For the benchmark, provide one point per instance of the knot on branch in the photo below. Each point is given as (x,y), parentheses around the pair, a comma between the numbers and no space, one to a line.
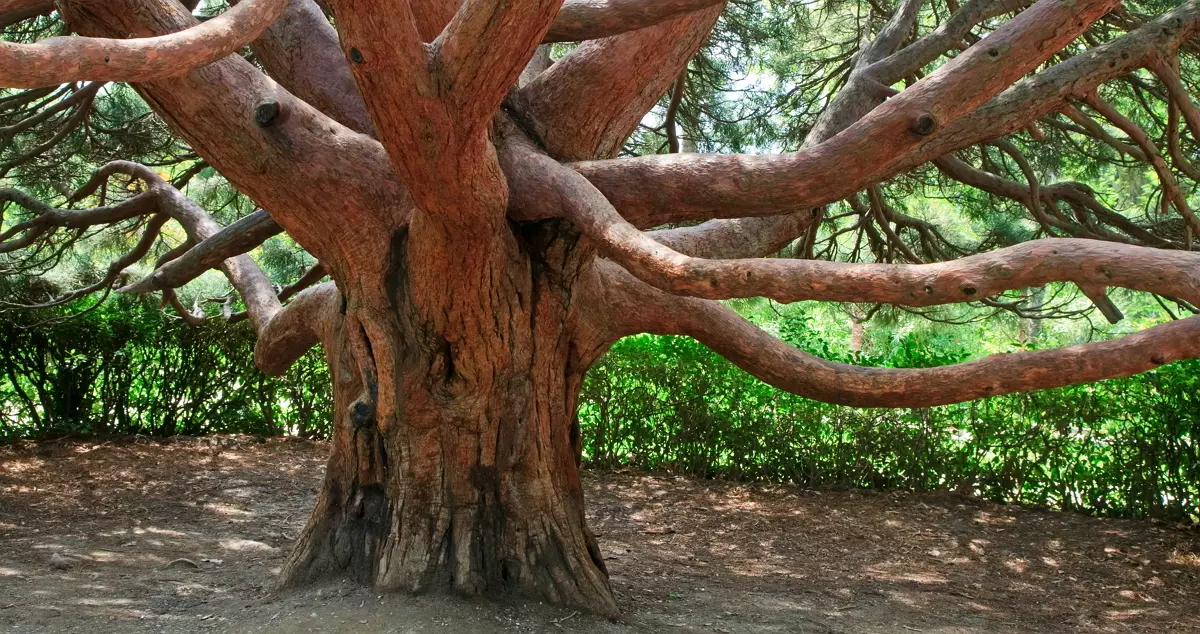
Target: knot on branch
(267,112)
(362,412)
(924,125)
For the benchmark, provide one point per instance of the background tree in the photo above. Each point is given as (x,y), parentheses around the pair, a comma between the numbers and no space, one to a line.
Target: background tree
(486,244)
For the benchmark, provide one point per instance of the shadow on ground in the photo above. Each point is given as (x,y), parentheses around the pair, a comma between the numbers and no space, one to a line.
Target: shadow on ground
(187,535)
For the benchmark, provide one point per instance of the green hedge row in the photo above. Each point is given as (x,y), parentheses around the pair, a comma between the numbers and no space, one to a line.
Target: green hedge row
(1124,447)
(127,369)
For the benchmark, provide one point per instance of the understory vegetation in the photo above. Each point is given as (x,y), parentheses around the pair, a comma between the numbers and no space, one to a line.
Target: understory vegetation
(1120,447)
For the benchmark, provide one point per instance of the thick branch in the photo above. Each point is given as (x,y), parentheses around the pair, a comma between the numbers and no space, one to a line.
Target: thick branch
(587,104)
(1088,263)
(484,49)
(1179,95)
(13,11)
(864,88)
(300,50)
(60,60)
(297,327)
(876,145)
(655,190)
(645,309)
(1053,89)
(580,20)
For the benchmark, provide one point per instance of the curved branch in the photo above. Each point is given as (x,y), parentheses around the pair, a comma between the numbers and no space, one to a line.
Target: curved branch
(59,60)
(1070,192)
(277,160)
(1090,264)
(297,327)
(314,274)
(245,276)
(646,309)
(1179,95)
(50,218)
(239,237)
(114,270)
(13,11)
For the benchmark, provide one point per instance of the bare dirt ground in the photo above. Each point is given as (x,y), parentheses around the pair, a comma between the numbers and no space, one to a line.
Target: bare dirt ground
(186,536)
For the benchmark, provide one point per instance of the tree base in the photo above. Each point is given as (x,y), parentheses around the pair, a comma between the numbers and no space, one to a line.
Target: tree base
(544,551)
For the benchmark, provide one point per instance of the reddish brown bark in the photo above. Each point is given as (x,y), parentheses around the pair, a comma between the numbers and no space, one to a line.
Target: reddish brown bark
(471,289)
(452,466)
(60,60)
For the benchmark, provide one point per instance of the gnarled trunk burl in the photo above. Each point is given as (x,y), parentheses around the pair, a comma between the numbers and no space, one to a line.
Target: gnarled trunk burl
(456,463)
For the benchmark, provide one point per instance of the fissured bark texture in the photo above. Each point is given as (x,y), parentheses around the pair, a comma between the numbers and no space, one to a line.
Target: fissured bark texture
(443,481)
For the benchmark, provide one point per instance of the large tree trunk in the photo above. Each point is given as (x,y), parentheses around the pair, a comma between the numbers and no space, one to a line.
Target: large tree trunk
(471,483)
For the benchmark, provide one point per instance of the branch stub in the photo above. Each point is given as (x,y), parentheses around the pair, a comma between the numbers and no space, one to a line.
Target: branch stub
(266,112)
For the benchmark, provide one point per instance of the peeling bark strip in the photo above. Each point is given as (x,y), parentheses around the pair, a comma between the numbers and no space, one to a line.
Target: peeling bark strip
(59,60)
(485,246)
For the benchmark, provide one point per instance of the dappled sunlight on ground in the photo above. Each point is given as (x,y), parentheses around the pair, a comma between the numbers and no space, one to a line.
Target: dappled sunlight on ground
(187,536)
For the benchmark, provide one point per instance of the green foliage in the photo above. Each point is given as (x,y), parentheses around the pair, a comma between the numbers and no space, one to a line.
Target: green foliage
(1125,447)
(127,369)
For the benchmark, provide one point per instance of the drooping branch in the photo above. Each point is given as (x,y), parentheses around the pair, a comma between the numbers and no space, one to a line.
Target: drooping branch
(49,218)
(164,202)
(60,60)
(1170,186)
(1092,265)
(114,270)
(240,237)
(641,308)
(314,274)
(275,148)
(1075,194)
(245,276)
(82,96)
